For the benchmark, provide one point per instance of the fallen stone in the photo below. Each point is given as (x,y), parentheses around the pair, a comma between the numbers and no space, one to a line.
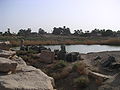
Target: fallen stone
(99,76)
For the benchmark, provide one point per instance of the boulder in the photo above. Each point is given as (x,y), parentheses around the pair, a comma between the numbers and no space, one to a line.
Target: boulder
(73,56)
(7,54)
(46,56)
(19,61)
(25,77)
(97,58)
(37,48)
(7,65)
(61,54)
(109,61)
(29,78)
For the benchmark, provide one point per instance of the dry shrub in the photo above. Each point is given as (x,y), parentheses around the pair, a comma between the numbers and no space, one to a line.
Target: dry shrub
(80,68)
(99,81)
(112,41)
(15,43)
(82,81)
(90,42)
(63,74)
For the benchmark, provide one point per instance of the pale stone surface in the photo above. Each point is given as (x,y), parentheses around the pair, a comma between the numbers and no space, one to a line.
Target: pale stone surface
(29,78)
(7,54)
(7,65)
(25,78)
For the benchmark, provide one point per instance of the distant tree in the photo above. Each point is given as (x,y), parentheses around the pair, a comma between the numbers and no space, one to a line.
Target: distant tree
(28,31)
(95,31)
(1,33)
(107,32)
(23,32)
(41,31)
(61,31)
(66,31)
(7,33)
(56,31)
(78,32)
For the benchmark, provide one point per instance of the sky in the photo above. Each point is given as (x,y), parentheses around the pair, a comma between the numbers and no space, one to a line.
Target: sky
(46,14)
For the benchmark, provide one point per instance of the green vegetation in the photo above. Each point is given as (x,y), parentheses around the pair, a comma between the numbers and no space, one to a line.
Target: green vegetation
(62,35)
(60,64)
(57,40)
(81,81)
(80,67)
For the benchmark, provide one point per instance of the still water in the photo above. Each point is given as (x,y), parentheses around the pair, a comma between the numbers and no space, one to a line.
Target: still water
(86,48)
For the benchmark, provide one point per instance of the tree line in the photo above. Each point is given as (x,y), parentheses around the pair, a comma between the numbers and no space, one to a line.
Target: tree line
(64,31)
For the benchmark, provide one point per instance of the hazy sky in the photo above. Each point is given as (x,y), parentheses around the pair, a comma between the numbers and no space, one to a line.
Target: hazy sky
(75,14)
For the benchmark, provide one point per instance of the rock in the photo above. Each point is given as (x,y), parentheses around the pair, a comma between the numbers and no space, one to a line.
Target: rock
(24,78)
(62,53)
(46,56)
(112,83)
(7,65)
(99,76)
(29,78)
(7,54)
(37,48)
(56,51)
(108,62)
(97,58)
(5,45)
(115,66)
(73,56)
(19,61)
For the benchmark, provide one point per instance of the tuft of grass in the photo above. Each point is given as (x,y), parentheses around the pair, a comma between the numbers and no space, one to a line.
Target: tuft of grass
(82,81)
(60,64)
(80,67)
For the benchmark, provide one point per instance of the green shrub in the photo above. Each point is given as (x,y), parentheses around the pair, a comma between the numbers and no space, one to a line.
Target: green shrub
(80,68)
(20,52)
(60,64)
(75,66)
(81,81)
(32,52)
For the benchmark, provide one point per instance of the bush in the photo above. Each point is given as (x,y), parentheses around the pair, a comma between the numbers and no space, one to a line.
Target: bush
(62,74)
(60,64)
(81,81)
(80,68)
